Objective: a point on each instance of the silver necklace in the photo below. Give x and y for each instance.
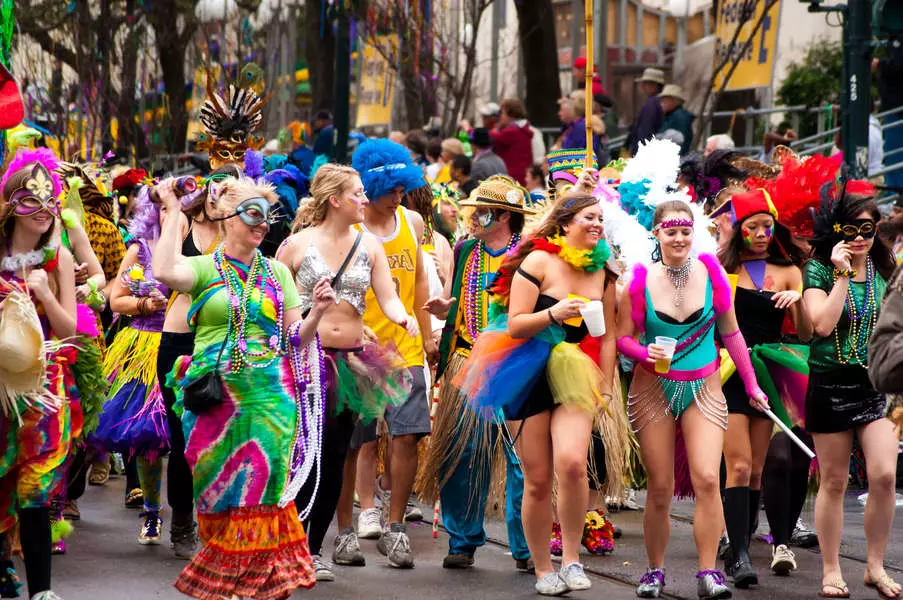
(679, 277)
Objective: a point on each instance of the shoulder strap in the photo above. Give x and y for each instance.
(351, 253)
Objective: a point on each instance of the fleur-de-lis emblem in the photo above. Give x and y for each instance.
(39, 183)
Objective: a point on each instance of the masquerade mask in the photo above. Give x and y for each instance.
(485, 219)
(230, 156)
(252, 212)
(864, 227)
(36, 194)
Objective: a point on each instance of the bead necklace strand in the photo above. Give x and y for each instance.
(679, 277)
(862, 321)
(473, 293)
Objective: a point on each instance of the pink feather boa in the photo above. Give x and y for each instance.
(25, 157)
(721, 290)
(86, 321)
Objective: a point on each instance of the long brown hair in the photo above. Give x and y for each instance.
(562, 213)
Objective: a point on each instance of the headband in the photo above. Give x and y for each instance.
(671, 223)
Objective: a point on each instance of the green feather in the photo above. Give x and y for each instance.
(91, 384)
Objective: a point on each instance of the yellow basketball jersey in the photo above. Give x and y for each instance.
(401, 250)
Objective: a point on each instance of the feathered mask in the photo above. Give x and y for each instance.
(230, 126)
(826, 221)
(798, 190)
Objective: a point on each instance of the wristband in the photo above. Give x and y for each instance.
(848, 273)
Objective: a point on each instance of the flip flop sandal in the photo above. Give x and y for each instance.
(884, 582)
(837, 584)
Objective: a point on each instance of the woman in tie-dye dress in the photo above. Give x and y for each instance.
(249, 453)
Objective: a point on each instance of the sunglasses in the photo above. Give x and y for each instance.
(859, 227)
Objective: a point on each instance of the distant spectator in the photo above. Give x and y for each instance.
(782, 135)
(415, 141)
(876, 150)
(323, 133)
(578, 70)
(397, 137)
(489, 113)
(459, 171)
(720, 141)
(536, 182)
(575, 133)
(890, 88)
(676, 116)
(485, 162)
(433, 156)
(512, 139)
(449, 149)
(650, 117)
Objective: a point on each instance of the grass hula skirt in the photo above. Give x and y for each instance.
(133, 421)
(367, 380)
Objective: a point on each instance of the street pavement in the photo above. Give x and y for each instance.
(105, 562)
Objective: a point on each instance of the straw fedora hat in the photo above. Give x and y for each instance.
(673, 91)
(653, 75)
(501, 192)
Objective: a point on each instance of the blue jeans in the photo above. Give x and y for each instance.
(464, 502)
(893, 139)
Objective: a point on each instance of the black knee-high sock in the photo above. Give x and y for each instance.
(776, 481)
(736, 517)
(131, 475)
(754, 496)
(799, 479)
(34, 529)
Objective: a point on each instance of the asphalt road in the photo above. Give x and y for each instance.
(105, 562)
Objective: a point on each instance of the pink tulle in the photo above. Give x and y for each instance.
(25, 157)
(86, 321)
(721, 287)
(637, 293)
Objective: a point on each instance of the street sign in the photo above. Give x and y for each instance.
(374, 105)
(756, 65)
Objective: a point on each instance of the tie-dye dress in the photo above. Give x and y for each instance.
(241, 451)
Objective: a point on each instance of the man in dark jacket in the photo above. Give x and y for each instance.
(677, 117)
(649, 119)
(485, 162)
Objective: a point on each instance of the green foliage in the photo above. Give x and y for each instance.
(813, 82)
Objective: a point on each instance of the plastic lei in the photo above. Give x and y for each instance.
(473, 297)
(308, 368)
(585, 260)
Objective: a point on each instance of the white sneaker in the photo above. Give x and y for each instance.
(551, 585)
(48, 595)
(369, 526)
(574, 576)
(782, 560)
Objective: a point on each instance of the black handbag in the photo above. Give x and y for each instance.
(207, 392)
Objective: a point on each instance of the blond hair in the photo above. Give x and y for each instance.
(578, 102)
(453, 146)
(330, 180)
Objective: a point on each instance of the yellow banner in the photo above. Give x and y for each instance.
(756, 64)
(374, 105)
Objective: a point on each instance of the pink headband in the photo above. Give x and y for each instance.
(671, 223)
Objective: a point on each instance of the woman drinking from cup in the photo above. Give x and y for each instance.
(698, 294)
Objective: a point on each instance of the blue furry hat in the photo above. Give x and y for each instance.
(384, 166)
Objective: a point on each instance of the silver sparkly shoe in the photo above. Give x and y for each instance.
(710, 586)
(651, 584)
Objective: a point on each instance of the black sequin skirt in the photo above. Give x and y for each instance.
(841, 399)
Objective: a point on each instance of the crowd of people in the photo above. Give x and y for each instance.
(288, 337)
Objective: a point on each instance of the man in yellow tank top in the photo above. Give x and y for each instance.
(387, 173)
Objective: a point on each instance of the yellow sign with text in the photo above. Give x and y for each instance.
(374, 105)
(755, 60)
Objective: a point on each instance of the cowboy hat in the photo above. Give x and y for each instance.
(501, 192)
(652, 75)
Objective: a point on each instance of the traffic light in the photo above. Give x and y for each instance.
(887, 18)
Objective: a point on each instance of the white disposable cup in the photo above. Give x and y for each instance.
(594, 317)
(668, 344)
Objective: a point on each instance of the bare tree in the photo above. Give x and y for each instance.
(320, 51)
(536, 30)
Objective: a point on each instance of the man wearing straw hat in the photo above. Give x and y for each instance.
(463, 448)
(677, 117)
(649, 119)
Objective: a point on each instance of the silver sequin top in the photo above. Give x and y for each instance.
(354, 283)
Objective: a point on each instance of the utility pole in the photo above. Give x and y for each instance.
(856, 85)
(341, 115)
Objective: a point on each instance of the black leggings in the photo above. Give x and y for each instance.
(785, 482)
(337, 432)
(34, 532)
(179, 482)
(76, 472)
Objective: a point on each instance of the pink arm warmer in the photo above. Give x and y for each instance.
(739, 353)
(632, 349)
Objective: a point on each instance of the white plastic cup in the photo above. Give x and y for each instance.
(594, 317)
(668, 345)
